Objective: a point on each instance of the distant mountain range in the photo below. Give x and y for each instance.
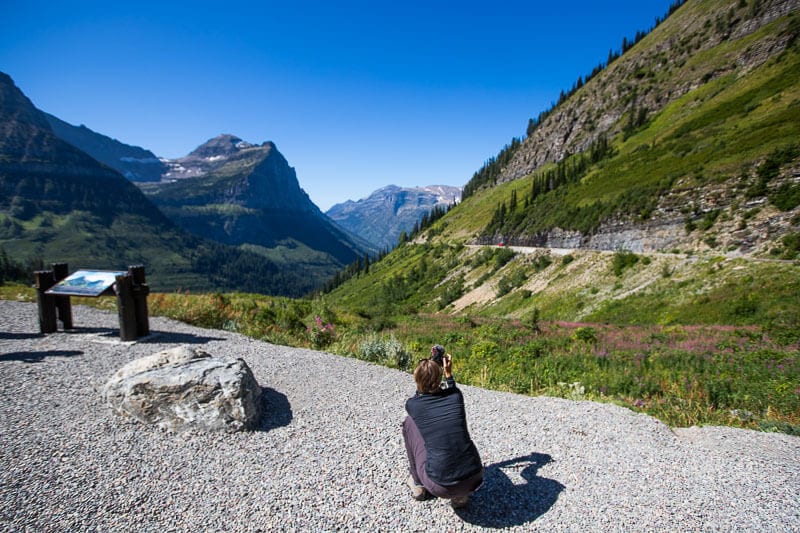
(240, 193)
(59, 203)
(386, 213)
(236, 192)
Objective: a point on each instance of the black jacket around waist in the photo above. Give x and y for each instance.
(442, 422)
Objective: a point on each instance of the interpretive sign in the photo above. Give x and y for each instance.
(55, 287)
(86, 283)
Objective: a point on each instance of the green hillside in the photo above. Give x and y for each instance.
(710, 144)
(715, 169)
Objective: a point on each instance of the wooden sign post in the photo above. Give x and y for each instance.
(46, 302)
(140, 292)
(63, 304)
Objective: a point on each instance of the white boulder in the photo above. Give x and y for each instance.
(185, 388)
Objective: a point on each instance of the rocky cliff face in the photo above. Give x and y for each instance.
(239, 193)
(691, 113)
(384, 214)
(227, 170)
(641, 79)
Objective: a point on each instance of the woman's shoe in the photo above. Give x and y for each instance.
(418, 492)
(459, 502)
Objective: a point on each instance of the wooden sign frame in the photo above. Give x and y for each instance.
(55, 287)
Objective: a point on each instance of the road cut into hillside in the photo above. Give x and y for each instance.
(329, 454)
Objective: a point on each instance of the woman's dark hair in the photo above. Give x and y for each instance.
(428, 376)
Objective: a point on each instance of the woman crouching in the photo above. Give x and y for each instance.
(443, 460)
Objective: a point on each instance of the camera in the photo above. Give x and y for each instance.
(437, 354)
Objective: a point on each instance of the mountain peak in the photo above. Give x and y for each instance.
(222, 145)
(25, 134)
(16, 108)
(225, 145)
(390, 210)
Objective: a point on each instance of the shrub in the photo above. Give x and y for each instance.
(541, 262)
(481, 258)
(532, 321)
(518, 278)
(320, 334)
(786, 198)
(287, 316)
(750, 213)
(586, 334)
(385, 351)
(452, 291)
(485, 351)
(708, 220)
(502, 256)
(622, 260)
(504, 286)
(791, 243)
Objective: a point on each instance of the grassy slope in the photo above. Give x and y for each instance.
(74, 237)
(706, 138)
(659, 289)
(709, 136)
(174, 260)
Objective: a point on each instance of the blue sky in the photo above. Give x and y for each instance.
(356, 95)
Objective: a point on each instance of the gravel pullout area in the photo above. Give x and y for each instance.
(330, 455)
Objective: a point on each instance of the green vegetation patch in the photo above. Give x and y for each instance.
(724, 127)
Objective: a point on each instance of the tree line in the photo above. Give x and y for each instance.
(358, 267)
(493, 167)
(20, 272)
(569, 170)
(362, 264)
(425, 222)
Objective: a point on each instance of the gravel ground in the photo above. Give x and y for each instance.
(330, 455)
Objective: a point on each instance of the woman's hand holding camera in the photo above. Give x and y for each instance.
(447, 364)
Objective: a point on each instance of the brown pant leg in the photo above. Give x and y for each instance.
(415, 449)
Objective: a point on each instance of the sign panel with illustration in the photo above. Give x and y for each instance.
(86, 283)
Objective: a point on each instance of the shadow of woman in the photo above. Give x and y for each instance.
(502, 503)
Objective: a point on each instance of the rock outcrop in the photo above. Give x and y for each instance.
(186, 388)
(644, 79)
